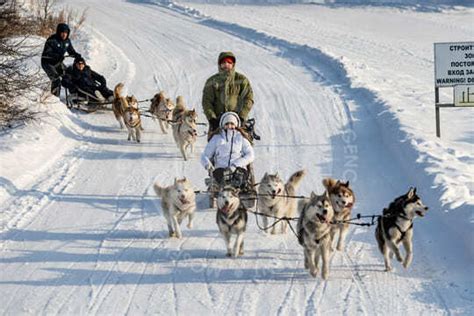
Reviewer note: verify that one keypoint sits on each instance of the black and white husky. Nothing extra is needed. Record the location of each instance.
(396, 226)
(231, 219)
(314, 232)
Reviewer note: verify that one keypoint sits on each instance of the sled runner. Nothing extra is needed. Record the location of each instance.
(83, 101)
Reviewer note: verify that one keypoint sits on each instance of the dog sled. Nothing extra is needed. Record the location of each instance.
(242, 179)
(84, 101)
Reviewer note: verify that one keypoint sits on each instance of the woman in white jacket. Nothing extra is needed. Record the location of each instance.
(228, 148)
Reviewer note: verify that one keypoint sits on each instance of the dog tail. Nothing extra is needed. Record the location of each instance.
(329, 183)
(160, 191)
(118, 90)
(180, 102)
(294, 181)
(379, 235)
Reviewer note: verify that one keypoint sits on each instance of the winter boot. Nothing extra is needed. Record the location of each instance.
(99, 96)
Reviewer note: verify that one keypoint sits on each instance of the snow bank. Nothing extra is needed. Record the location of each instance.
(29, 150)
(422, 5)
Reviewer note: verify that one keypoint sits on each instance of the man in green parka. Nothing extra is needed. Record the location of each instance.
(226, 91)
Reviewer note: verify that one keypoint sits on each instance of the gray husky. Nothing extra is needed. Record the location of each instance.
(314, 232)
(395, 226)
(272, 198)
(231, 219)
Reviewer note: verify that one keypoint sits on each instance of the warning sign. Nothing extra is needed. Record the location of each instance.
(464, 95)
(454, 64)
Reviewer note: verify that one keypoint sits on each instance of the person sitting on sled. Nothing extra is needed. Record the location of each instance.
(228, 149)
(81, 76)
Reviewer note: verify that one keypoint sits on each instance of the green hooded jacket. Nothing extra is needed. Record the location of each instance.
(227, 91)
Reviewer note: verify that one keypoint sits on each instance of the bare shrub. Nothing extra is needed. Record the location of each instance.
(48, 19)
(16, 79)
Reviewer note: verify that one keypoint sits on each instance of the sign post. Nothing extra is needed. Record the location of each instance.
(454, 67)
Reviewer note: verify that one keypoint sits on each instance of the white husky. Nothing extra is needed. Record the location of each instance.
(273, 200)
(177, 201)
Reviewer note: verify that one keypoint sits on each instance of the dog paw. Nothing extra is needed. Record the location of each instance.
(189, 226)
(314, 273)
(388, 269)
(399, 259)
(325, 275)
(340, 247)
(406, 264)
(228, 254)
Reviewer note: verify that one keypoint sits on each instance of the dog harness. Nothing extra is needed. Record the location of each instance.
(403, 233)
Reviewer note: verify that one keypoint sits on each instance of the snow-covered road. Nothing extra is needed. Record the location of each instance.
(87, 236)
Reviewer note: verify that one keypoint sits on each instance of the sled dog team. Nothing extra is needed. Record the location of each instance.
(320, 217)
(181, 120)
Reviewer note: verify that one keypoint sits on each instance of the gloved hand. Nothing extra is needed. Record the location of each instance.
(210, 168)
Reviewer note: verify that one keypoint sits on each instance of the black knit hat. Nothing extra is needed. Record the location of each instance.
(79, 59)
(63, 27)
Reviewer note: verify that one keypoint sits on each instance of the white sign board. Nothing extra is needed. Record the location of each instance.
(464, 95)
(454, 64)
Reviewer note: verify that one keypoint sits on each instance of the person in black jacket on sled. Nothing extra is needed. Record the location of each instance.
(56, 46)
(80, 78)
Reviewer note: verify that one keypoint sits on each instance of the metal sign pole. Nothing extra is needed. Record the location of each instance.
(438, 127)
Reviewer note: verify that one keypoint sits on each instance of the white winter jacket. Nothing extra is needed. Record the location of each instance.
(218, 150)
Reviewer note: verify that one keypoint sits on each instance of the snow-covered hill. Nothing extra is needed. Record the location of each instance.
(340, 91)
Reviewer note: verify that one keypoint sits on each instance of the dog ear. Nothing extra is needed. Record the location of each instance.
(175, 181)
(346, 184)
(313, 195)
(265, 176)
(326, 183)
(411, 193)
(277, 175)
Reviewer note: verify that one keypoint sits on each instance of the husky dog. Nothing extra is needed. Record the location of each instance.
(119, 104)
(184, 127)
(342, 198)
(314, 232)
(131, 117)
(177, 202)
(272, 198)
(161, 108)
(395, 226)
(231, 218)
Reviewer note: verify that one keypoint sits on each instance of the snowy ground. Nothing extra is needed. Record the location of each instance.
(82, 232)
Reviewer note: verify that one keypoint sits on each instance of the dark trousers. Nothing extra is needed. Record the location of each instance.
(54, 73)
(106, 92)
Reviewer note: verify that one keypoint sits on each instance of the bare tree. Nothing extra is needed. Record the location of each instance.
(15, 78)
